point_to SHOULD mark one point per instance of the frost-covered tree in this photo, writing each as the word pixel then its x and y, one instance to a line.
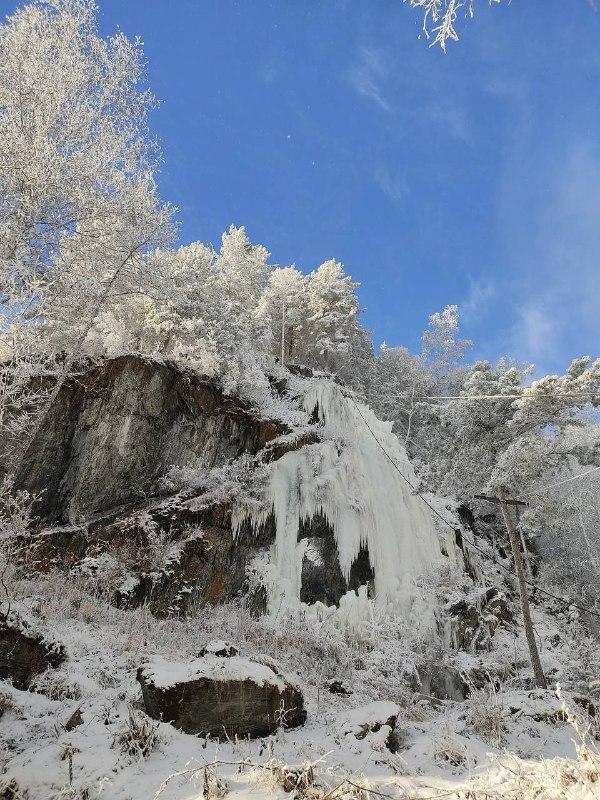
pixel 243 269
pixel 78 201
pixel 332 315
pixel 397 382
pixel 284 305
pixel 178 311
pixel 77 192
pixel 443 351
pixel 467 436
pixel 481 440
pixel 566 518
pixel 354 367
pixel 440 16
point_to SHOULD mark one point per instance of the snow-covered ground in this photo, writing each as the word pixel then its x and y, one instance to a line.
pixel 440 744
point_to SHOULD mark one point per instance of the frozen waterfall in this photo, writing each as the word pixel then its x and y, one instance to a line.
pixel 348 479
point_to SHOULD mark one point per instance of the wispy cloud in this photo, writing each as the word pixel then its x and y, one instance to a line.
pixel 536 331
pixel 393 184
pixel 558 317
pixel 367 75
pixel 271 68
pixel 481 291
pixel 450 117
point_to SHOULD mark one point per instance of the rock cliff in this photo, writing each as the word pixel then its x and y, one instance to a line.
pixel 114 431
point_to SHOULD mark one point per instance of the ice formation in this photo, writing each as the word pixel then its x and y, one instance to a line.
pixel 348 479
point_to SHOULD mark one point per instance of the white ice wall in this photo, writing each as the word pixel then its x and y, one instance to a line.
pixel 347 478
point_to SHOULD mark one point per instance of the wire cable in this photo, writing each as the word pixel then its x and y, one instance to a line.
pixel 560 483
pixel 449 524
pixel 535 396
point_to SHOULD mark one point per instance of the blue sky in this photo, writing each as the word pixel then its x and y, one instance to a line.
pixel 329 129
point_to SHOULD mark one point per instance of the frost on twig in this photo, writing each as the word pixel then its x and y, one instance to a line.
pixel 439 18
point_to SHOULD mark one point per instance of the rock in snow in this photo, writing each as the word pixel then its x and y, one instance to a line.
pixel 220 697
pixel 23 655
pixel 379 718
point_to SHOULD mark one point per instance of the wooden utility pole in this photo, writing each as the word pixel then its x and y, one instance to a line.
pixel 283 333
pixel 504 503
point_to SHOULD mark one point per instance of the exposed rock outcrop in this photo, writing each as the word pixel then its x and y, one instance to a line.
pixel 167 555
pixel 475 618
pixel 221 697
pixel 375 721
pixel 112 434
pixel 114 431
pixel 23 655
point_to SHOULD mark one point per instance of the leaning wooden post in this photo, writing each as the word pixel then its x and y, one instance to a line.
pixel 538 672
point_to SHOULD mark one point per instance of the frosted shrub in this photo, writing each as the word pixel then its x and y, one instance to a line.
pixel 447 748
pixel 242 478
pixel 57 686
pixel 485 711
pixel 147 548
pixel 138 736
pixel 61 596
pixel 213 787
pixel 15 519
pixel 548 779
pixel 11 790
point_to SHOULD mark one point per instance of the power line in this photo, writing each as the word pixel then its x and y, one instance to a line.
pixel 536 396
pixel 445 521
pixel 560 483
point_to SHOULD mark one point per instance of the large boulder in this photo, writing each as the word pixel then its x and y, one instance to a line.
pixel 221 697
pixel 24 654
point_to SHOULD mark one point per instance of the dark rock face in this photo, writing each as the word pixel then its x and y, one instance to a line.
pixel 228 704
pixel 24 655
pixel 206 567
pixel 97 463
pixel 113 432
pixel 321 578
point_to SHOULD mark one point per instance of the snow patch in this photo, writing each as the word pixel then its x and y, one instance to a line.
pixel 164 674
pixel 368 717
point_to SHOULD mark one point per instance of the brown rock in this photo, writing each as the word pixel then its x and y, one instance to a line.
pixel 220 697
pixel 476 617
pixel 24 655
